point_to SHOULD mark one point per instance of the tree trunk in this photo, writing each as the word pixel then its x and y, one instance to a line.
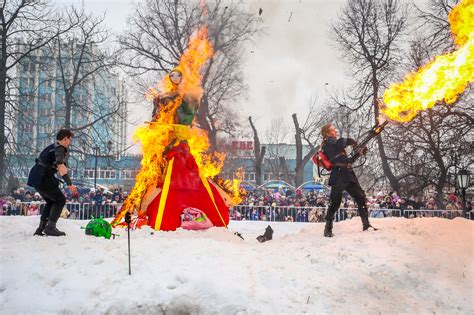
pixel 394 182
pixel 299 152
pixel 300 159
pixel 3 86
pixel 2 131
pixel 284 167
pixel 259 153
pixel 439 189
pixel 68 101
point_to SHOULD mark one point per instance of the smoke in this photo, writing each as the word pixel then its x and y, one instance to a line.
pixel 293 60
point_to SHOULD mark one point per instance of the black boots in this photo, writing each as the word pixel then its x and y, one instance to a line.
pixel 266 236
pixel 51 229
pixel 40 229
pixel 365 223
pixel 328 229
pixel 364 216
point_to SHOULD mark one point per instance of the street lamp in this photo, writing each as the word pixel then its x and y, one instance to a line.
pixel 464 178
pixel 96 153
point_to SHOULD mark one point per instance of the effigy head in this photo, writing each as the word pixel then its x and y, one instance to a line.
pixel 176 76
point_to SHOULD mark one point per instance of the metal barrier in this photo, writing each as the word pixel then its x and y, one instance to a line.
pixel 75 211
pixel 86 211
pixel 90 211
pixel 22 208
pixel 448 214
pixel 279 213
pixel 316 214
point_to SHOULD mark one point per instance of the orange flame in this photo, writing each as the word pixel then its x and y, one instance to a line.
pixel 232 186
pixel 443 79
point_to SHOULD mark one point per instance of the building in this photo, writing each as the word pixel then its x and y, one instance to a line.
pixel 98 101
pixel 97 112
pixel 279 162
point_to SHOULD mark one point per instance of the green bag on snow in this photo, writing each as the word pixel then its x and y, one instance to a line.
pixel 99 227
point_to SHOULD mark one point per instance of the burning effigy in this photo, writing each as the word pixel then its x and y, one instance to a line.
pixel 176 169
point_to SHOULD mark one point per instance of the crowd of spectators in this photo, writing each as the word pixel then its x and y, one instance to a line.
pixel 289 205
pixel 24 201
pixel 273 204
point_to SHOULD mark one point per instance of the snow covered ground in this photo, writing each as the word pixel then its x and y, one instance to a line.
pixel 409 266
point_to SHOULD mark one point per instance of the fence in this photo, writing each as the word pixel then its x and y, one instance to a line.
pixel 297 214
pixel 74 210
pixel 86 211
pixel 316 214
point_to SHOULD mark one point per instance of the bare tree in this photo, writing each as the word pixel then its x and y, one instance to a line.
pixel 275 137
pixel 302 134
pixel 439 138
pixel 86 82
pixel 25 27
pixel 368 32
pixel 435 25
pixel 259 152
pixel 432 143
pixel 318 114
pixel 159 34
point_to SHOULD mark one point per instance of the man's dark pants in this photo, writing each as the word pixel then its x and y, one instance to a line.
pixel 355 191
pixel 54 198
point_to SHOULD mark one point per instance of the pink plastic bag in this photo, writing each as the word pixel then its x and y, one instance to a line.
pixel 195 219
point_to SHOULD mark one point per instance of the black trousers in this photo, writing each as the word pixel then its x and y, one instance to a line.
pixel 54 198
pixel 355 191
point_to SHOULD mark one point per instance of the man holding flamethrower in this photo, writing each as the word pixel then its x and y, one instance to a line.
pixel 333 156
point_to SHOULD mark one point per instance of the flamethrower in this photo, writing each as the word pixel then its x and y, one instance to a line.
pixel 374 132
pixel 322 161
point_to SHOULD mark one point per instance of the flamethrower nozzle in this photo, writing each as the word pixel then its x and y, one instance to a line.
pixel 379 127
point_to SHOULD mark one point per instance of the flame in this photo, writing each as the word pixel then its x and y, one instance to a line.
pixel 156 137
pixel 232 186
pixel 190 63
pixel 443 79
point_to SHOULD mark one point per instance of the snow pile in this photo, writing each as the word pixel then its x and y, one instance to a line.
pixel 409 266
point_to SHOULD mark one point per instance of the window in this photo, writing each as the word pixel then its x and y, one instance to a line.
pixel 32 64
pixel 72 173
pixel 46 84
pixel 106 173
pixel 89 173
pixel 46 98
pixel 30 100
pixel 128 173
pixel 20 172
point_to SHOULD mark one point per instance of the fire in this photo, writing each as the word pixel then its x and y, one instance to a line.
pixel 443 79
pixel 232 186
pixel 155 137
pixel 190 63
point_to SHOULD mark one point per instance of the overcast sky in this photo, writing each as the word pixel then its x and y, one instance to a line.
pixel 284 68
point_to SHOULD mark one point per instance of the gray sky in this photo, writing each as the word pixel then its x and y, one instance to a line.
pixel 284 68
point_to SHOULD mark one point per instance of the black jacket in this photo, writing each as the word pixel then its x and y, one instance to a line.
pixel 46 163
pixel 335 151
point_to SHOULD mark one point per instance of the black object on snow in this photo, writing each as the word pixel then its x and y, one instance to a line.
pixel 266 236
pixel 239 235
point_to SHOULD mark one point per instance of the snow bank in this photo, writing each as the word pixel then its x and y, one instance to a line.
pixel 409 266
